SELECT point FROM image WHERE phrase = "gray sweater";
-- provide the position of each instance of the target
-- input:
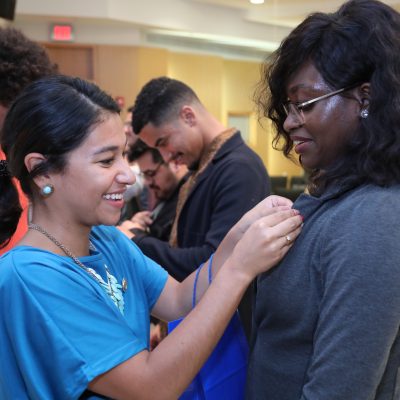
(327, 317)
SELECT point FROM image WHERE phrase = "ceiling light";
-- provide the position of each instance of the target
(257, 1)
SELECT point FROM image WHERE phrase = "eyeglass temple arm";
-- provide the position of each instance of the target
(306, 103)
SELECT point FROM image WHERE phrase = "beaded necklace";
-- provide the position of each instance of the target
(111, 287)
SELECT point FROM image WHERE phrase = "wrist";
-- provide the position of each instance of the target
(236, 271)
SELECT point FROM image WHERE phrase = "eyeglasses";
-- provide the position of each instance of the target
(151, 173)
(297, 109)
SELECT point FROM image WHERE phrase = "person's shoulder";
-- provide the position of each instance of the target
(236, 143)
(242, 160)
(371, 196)
(24, 260)
(370, 203)
(24, 254)
(237, 149)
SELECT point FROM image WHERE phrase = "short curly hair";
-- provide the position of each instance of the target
(22, 61)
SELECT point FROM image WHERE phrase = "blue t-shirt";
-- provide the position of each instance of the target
(58, 327)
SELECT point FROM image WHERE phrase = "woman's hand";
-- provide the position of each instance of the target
(265, 207)
(268, 206)
(266, 241)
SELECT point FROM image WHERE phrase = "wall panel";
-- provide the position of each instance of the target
(73, 60)
(204, 74)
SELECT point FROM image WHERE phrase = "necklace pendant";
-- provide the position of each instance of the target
(124, 284)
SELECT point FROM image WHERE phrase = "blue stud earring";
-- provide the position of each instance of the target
(364, 113)
(47, 190)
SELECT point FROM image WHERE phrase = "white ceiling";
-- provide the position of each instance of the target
(288, 13)
(283, 12)
(232, 28)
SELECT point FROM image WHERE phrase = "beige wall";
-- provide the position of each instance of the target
(276, 162)
(240, 79)
(152, 63)
(123, 70)
(116, 70)
(204, 74)
(224, 87)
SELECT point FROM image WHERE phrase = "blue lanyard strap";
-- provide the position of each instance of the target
(196, 278)
(210, 269)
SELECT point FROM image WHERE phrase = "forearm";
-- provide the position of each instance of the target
(274, 247)
(206, 275)
(180, 303)
(184, 291)
(179, 262)
(226, 247)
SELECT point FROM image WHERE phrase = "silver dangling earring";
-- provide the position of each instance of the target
(47, 190)
(364, 113)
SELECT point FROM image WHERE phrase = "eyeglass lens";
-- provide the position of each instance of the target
(292, 109)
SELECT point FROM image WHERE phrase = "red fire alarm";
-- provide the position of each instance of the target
(62, 33)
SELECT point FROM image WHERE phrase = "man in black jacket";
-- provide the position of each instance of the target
(227, 179)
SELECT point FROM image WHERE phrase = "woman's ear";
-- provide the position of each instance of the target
(364, 93)
(365, 99)
(31, 161)
(363, 96)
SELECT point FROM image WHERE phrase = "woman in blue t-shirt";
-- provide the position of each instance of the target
(75, 294)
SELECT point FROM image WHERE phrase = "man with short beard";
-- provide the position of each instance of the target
(165, 181)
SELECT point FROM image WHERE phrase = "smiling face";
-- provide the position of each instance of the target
(164, 182)
(90, 189)
(179, 140)
(328, 124)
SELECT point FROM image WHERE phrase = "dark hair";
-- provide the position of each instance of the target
(358, 43)
(159, 101)
(10, 208)
(22, 61)
(139, 148)
(52, 116)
